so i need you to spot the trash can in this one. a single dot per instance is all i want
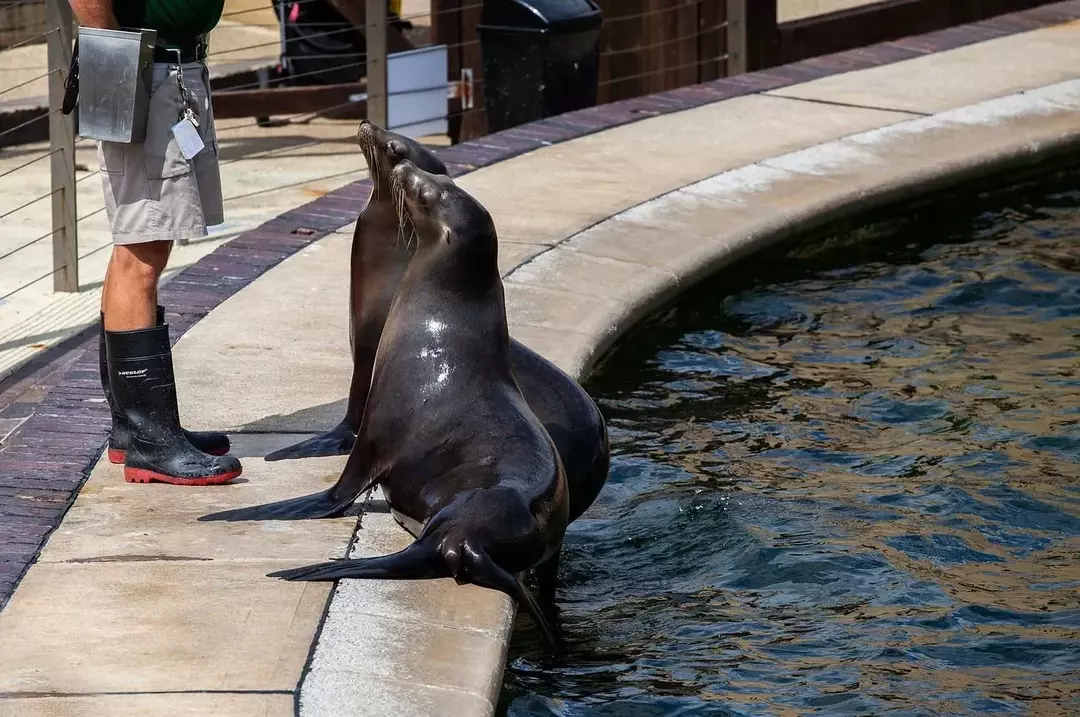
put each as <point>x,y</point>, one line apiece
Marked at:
<point>541,58</point>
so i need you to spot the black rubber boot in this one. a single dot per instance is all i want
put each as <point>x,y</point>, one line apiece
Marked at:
<point>216,444</point>
<point>143,386</point>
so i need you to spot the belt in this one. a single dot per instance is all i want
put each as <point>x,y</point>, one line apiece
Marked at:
<point>194,51</point>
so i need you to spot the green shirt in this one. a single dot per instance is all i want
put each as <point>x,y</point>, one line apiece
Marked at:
<point>175,20</point>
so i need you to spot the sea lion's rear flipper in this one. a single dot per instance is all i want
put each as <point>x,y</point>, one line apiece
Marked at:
<point>326,504</point>
<point>490,575</point>
<point>338,441</point>
<point>416,562</point>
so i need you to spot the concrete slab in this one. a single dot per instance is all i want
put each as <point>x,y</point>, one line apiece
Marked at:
<point>589,275</point>
<point>401,648</point>
<point>593,174</point>
<point>190,626</point>
<point>1066,94</point>
<point>274,357</point>
<point>118,522</point>
<point>339,692</point>
<point>512,254</point>
<point>946,80</point>
<point>172,704</point>
<point>560,346</point>
<point>442,603</point>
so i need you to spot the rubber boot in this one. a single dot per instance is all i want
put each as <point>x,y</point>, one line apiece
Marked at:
<point>143,385</point>
<point>216,444</point>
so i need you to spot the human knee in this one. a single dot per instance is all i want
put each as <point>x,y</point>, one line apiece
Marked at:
<point>140,264</point>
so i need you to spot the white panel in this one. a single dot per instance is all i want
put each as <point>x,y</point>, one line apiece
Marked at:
<point>416,69</point>
<point>417,84</point>
<point>416,107</point>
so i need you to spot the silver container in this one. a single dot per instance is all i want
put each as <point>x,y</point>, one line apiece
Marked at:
<point>115,75</point>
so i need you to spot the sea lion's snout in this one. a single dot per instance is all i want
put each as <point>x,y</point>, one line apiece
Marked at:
<point>365,133</point>
<point>400,177</point>
<point>414,183</point>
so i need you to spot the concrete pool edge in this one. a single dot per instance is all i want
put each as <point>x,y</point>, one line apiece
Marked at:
<point>777,198</point>
<point>666,245</point>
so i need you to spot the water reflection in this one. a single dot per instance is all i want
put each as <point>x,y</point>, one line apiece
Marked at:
<point>848,487</point>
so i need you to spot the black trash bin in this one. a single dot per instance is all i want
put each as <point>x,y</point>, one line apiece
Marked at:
<point>541,58</point>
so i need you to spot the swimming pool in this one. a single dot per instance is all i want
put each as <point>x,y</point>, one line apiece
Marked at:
<point>845,479</point>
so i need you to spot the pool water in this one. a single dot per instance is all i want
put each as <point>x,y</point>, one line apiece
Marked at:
<point>845,480</point>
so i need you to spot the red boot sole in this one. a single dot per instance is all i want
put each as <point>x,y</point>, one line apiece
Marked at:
<point>117,455</point>
<point>141,475</point>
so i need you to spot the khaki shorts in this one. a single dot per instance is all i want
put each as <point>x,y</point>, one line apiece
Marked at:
<point>152,193</point>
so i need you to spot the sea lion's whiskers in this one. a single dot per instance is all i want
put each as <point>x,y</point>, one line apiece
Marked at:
<point>373,167</point>
<point>398,196</point>
<point>378,168</point>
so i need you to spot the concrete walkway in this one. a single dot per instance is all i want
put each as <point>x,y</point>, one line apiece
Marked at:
<point>135,608</point>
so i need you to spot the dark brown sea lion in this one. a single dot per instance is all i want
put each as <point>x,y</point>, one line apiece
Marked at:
<point>380,255</point>
<point>446,431</point>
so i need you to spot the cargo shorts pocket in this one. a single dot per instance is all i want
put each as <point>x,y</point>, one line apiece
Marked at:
<point>161,152</point>
<point>111,158</point>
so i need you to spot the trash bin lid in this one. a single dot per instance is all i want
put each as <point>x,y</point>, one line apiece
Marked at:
<point>543,15</point>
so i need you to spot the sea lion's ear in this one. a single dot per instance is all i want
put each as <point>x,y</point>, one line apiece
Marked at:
<point>446,233</point>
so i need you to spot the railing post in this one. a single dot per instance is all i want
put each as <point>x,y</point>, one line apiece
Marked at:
<point>736,37</point>
<point>65,236</point>
<point>375,36</point>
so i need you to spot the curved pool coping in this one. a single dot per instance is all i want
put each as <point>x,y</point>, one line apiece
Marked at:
<point>668,244</point>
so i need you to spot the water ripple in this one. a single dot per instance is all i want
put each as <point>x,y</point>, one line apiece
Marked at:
<point>845,481</point>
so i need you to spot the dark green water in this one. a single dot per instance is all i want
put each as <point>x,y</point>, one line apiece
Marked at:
<point>849,484</point>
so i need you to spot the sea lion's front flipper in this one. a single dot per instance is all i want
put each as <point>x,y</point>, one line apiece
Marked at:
<point>338,441</point>
<point>358,476</point>
<point>416,562</point>
<point>326,504</point>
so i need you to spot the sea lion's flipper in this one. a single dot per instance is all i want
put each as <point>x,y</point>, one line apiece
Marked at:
<point>416,562</point>
<point>357,478</point>
<point>547,579</point>
<point>338,441</point>
<point>492,576</point>
<point>326,504</point>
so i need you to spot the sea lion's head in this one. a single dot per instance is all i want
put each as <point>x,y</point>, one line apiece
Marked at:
<point>439,210</point>
<point>384,150</point>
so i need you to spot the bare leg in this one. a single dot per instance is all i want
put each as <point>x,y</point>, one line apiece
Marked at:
<point>129,296</point>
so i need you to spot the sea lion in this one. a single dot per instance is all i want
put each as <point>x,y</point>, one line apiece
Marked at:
<point>446,431</point>
<point>380,254</point>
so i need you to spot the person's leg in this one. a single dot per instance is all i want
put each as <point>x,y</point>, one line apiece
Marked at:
<point>151,199</point>
<point>129,296</point>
